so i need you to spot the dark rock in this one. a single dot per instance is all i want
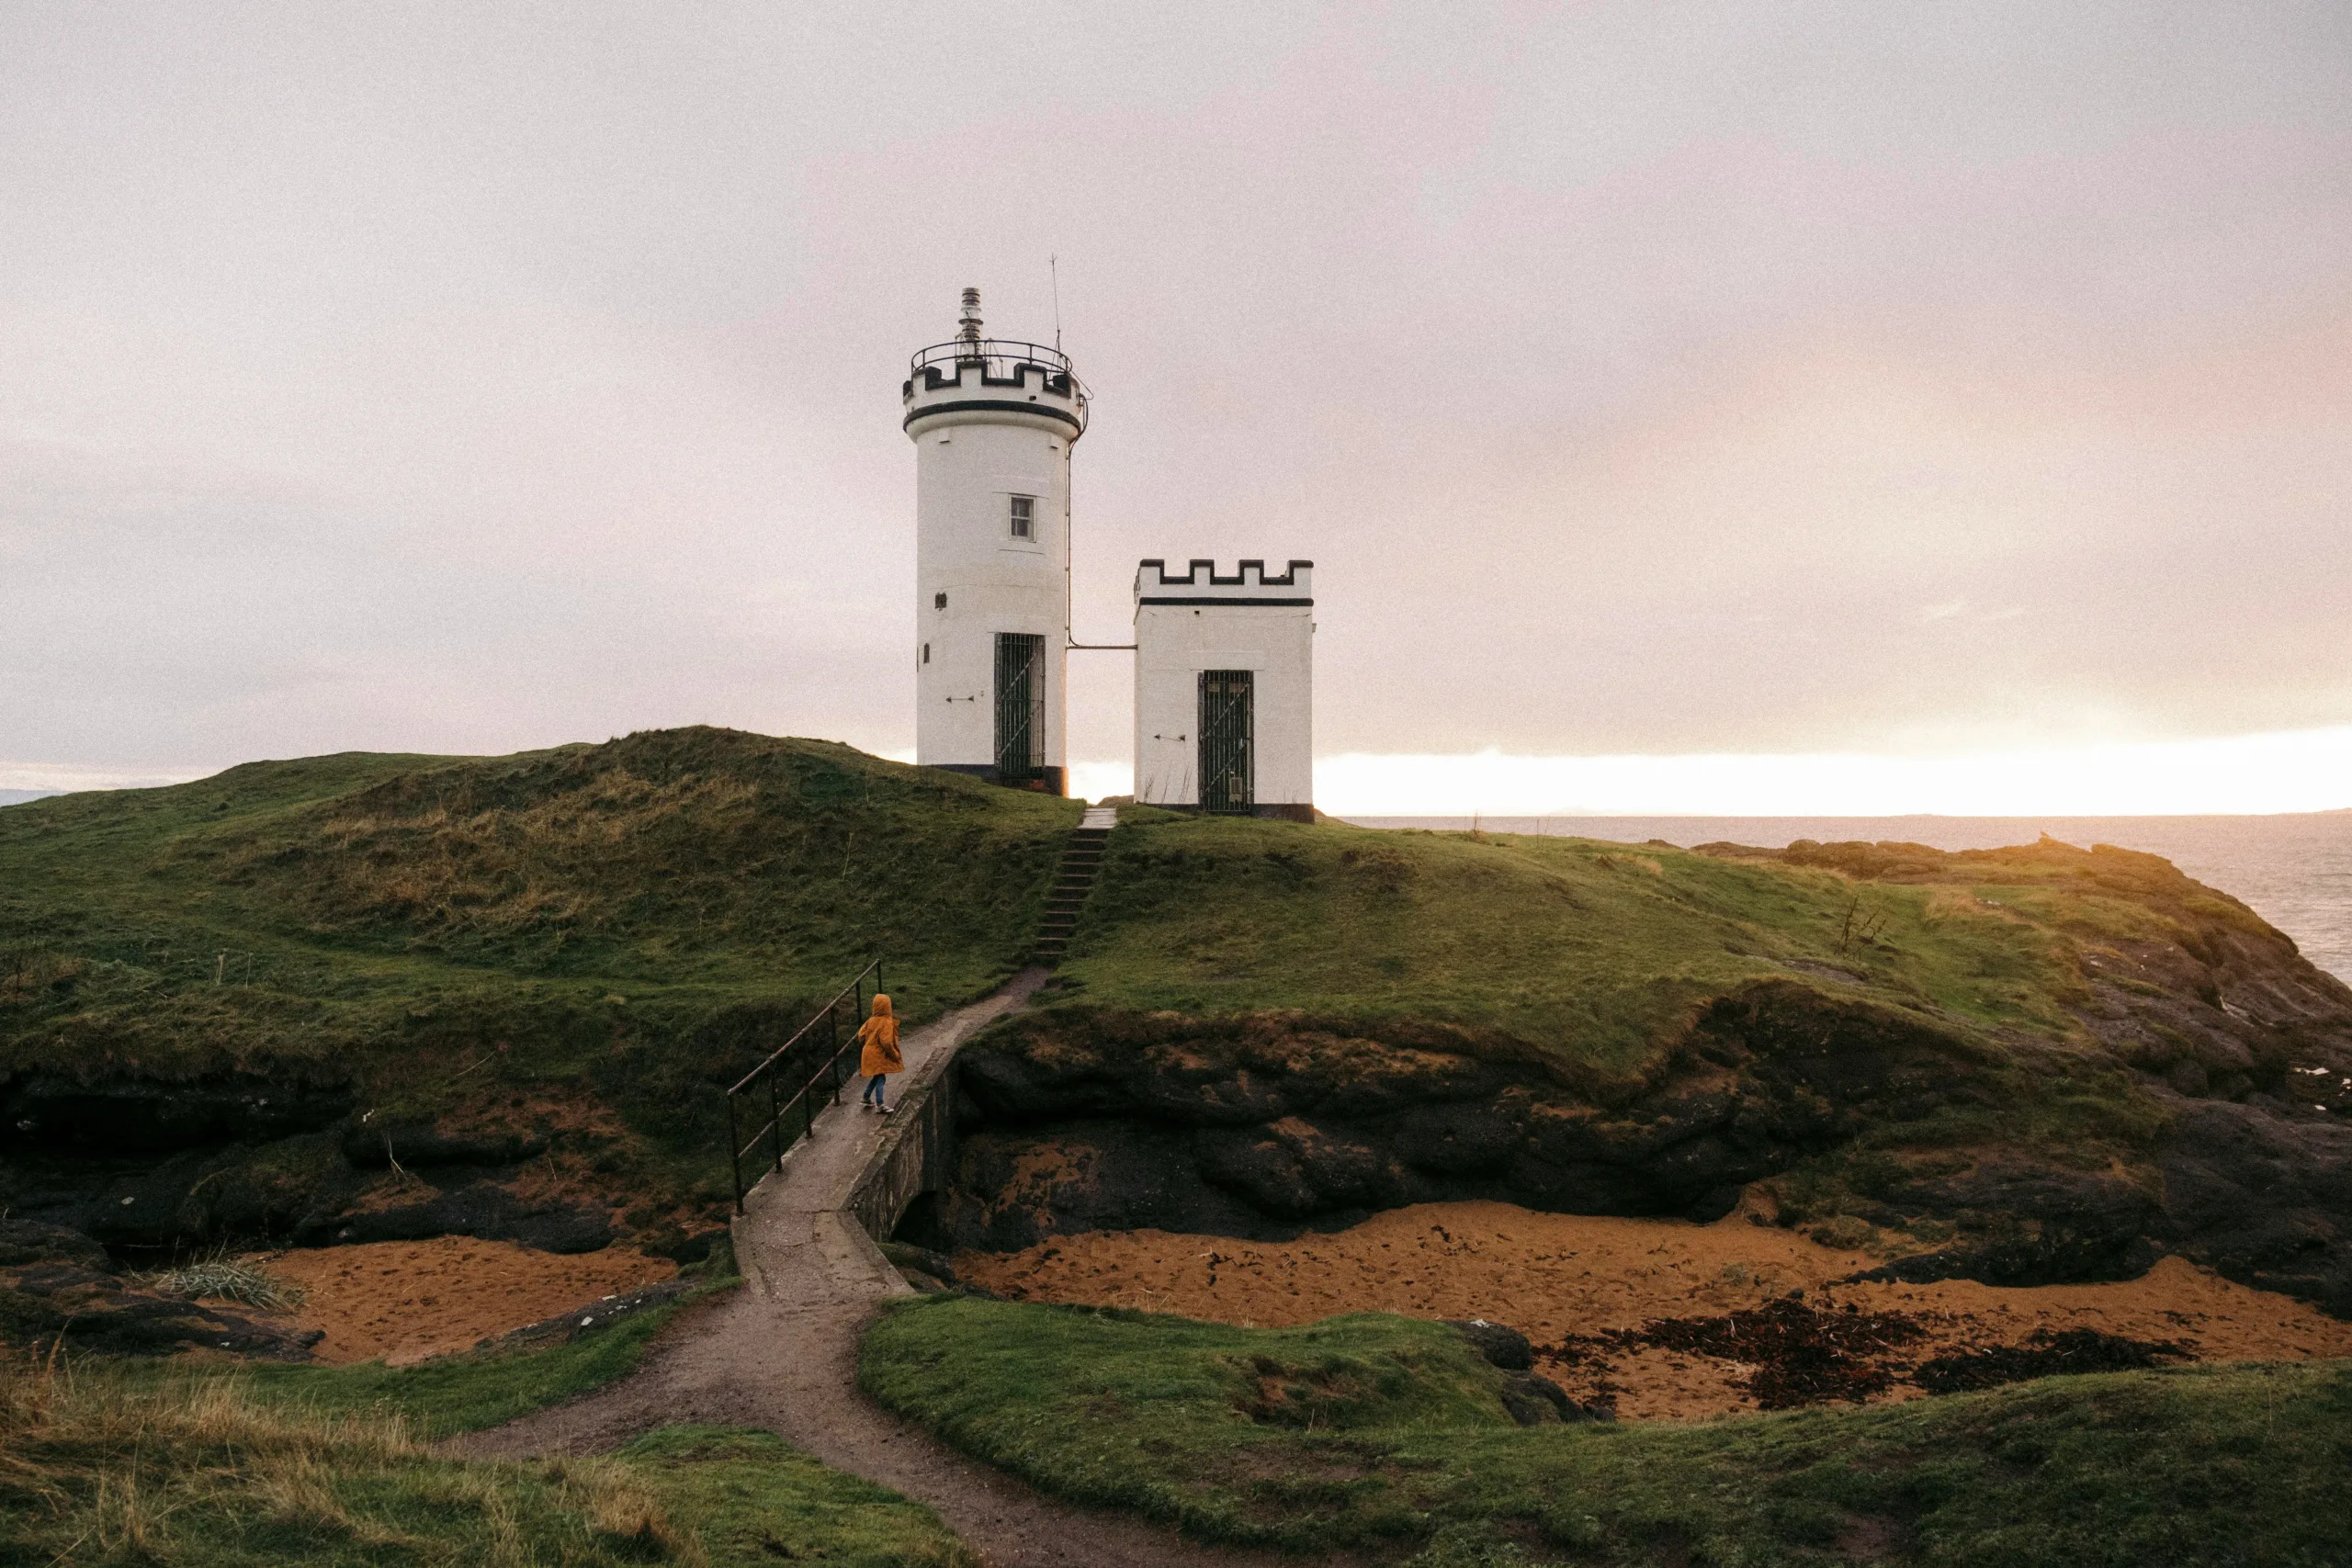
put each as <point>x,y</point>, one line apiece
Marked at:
<point>1459,1139</point>
<point>94,1311</point>
<point>372,1143</point>
<point>595,1317</point>
<point>2045,1354</point>
<point>1293,1169</point>
<point>30,1241</point>
<point>483,1210</point>
<point>2263,1199</point>
<point>1534,1399</point>
<point>679,1245</point>
<point>1834,1063</point>
<point>273,1190</point>
<point>117,1117</point>
<point>2027,1224</point>
<point>904,1256</point>
<point>1504,1347</point>
<point>1582,1189</point>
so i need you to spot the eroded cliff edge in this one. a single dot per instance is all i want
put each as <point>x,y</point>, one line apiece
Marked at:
<point>2194,1097</point>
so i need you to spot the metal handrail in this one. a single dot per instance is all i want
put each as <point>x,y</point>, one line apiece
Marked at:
<point>966,350</point>
<point>828,1070</point>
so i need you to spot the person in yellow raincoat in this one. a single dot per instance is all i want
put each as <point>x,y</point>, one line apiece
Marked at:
<point>878,1058</point>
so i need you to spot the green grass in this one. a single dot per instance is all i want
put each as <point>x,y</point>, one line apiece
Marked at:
<point>751,1498</point>
<point>1386,1434</point>
<point>361,894</point>
<point>117,1464</point>
<point>465,1392</point>
<point>1600,958</point>
<point>1591,951</point>
<point>637,922</point>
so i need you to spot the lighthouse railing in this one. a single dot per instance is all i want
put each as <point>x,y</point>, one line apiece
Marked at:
<point>965,351</point>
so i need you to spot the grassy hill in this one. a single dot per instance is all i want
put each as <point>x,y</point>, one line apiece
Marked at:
<point>605,935</point>
<point>1599,953</point>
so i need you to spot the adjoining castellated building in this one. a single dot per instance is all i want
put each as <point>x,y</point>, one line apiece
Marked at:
<point>1224,665</point>
<point>1224,689</point>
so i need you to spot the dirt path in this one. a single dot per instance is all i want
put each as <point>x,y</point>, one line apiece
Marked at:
<point>781,1353</point>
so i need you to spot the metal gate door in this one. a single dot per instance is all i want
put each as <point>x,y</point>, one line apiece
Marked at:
<point>1228,777</point>
<point>1019,706</point>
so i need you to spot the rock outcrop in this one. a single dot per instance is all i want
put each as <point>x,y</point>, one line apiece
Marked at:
<point>1937,1136</point>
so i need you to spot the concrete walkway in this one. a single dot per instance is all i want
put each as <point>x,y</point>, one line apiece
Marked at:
<point>781,1353</point>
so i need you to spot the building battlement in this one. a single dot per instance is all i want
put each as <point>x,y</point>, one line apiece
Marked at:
<point>1249,584</point>
<point>1049,379</point>
<point>1025,387</point>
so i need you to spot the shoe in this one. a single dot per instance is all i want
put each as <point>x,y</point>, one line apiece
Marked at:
<point>884,1109</point>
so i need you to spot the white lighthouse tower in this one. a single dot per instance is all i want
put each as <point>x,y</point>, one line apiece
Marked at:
<point>992,423</point>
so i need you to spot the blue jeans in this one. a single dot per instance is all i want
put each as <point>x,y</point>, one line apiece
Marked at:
<point>872,1095</point>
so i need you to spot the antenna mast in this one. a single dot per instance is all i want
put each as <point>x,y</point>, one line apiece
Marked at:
<point>1052,266</point>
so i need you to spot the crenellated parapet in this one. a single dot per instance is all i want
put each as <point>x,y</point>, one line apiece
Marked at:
<point>1250,584</point>
<point>993,380</point>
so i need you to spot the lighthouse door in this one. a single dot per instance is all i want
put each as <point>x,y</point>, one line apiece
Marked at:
<point>1227,775</point>
<point>1020,707</point>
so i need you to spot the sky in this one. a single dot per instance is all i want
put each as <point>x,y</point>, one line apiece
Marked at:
<point>1717,407</point>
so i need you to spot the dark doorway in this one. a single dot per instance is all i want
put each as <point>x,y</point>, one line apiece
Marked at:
<point>1020,707</point>
<point>1228,775</point>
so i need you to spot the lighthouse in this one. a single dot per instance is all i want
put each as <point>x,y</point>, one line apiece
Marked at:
<point>992,421</point>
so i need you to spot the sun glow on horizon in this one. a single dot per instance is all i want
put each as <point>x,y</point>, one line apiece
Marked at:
<point>2307,769</point>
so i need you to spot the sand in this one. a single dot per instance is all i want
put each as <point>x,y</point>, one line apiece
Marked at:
<point>1554,1276</point>
<point>404,1301</point>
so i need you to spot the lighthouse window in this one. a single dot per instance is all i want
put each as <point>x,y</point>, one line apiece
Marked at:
<point>1024,516</point>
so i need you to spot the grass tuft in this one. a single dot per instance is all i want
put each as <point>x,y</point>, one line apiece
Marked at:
<point>222,1277</point>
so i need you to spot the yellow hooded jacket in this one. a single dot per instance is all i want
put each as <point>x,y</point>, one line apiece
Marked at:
<point>879,1037</point>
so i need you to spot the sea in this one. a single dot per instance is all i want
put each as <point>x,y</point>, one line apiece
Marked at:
<point>2294,870</point>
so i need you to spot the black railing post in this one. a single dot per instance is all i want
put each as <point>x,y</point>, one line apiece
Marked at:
<point>735,1151</point>
<point>831,1070</point>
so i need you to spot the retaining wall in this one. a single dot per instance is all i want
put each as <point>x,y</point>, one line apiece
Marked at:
<point>914,1154</point>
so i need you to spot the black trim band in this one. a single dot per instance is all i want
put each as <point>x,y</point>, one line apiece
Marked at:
<point>995,405</point>
<point>1273,603</point>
